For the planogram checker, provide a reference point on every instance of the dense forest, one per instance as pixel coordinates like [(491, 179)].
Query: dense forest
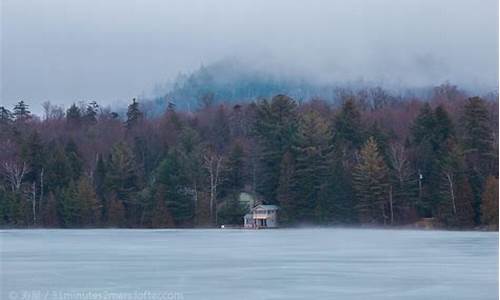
[(371, 159)]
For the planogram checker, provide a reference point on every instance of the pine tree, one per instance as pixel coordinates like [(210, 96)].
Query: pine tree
[(348, 131), (478, 139), (178, 196), (68, 206), (73, 116), (422, 127), (348, 136), (33, 152), (275, 126), (134, 115), (478, 148), (6, 116), (74, 159), (189, 150), (18, 213), (58, 169), (382, 139), (432, 135), (444, 129), (313, 162), (21, 111), (90, 116), (371, 185), (121, 177)]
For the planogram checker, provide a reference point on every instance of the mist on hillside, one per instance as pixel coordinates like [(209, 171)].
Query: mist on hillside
[(112, 51), (235, 81)]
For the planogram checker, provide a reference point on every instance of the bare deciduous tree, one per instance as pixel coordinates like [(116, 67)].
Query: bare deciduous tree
[(213, 163), (399, 160), (14, 172)]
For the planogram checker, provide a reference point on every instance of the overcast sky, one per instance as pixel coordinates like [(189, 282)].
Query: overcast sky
[(113, 50)]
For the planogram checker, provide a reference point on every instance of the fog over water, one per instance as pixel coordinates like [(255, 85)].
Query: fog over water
[(112, 50), (251, 264)]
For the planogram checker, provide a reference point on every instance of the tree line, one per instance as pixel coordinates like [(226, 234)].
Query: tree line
[(373, 159)]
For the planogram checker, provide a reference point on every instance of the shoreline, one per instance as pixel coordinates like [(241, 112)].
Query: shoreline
[(378, 228)]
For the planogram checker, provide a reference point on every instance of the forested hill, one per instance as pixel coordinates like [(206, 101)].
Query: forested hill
[(228, 81), (231, 81), (383, 162)]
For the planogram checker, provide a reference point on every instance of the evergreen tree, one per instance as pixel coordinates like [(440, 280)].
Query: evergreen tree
[(371, 184), (312, 166), (348, 131), (74, 159), (73, 116), (6, 116), (348, 136), (275, 126), (33, 152), (189, 151), (134, 115), (444, 129), (478, 148), (178, 196), (121, 177), (382, 139), (122, 183), (58, 171), (478, 134), (90, 116), (68, 206), (422, 127), (432, 134), (21, 111)]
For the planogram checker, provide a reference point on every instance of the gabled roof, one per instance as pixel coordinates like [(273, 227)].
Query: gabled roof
[(267, 207)]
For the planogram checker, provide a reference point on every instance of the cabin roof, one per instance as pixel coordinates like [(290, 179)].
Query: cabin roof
[(267, 207)]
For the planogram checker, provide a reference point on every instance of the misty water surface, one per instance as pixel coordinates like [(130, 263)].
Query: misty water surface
[(248, 264)]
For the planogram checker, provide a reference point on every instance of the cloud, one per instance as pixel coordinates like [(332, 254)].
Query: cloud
[(112, 50)]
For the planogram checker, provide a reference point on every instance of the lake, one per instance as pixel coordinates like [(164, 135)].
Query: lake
[(248, 264)]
